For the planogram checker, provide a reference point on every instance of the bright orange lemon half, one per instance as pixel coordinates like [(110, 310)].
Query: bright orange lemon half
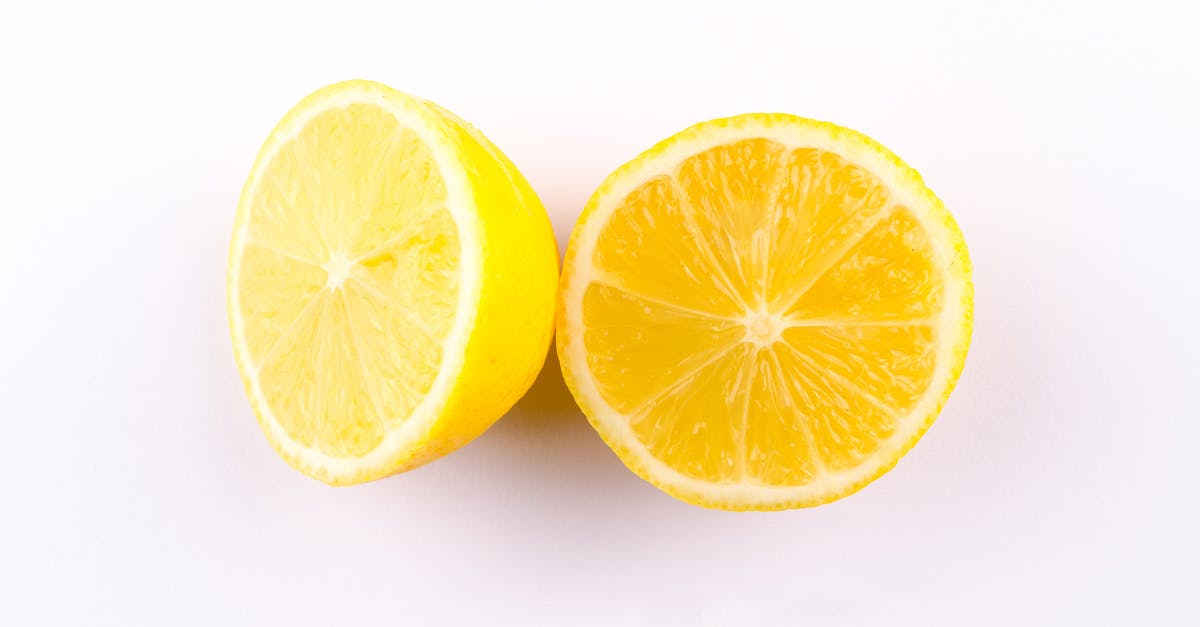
[(763, 312)]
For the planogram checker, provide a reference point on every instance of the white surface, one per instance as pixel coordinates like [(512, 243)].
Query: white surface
[(1059, 487)]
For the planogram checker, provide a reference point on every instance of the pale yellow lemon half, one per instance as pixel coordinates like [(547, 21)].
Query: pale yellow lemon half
[(763, 312), (391, 283)]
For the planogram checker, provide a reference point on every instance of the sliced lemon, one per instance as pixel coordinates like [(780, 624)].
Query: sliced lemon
[(391, 283), (763, 312)]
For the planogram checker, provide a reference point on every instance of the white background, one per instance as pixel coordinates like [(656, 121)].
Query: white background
[(1059, 486)]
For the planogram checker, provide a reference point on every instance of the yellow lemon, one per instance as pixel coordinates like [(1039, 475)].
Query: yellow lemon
[(391, 283), (763, 312)]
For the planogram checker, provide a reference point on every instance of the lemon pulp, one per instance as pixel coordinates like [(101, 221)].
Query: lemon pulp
[(753, 316)]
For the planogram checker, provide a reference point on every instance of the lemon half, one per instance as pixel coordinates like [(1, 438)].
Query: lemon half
[(763, 312), (391, 283)]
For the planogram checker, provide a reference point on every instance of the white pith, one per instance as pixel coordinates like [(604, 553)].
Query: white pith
[(337, 270)]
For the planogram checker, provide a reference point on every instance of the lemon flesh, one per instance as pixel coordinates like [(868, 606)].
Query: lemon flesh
[(763, 312), (379, 244)]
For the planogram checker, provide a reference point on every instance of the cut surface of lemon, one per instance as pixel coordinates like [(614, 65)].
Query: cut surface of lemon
[(391, 283), (763, 312)]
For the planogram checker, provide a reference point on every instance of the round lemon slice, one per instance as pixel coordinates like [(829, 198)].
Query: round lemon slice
[(763, 312)]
